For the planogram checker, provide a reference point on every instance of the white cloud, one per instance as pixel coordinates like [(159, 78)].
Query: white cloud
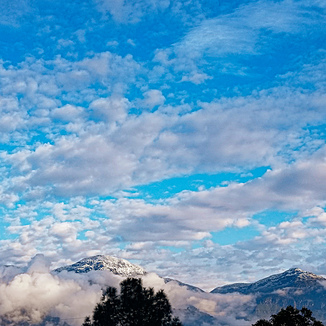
[(67, 113), (112, 109), (65, 231), (196, 78), (153, 97), (8, 199)]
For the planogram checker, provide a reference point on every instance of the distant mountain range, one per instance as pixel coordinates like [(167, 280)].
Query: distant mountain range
[(292, 278), (235, 304), (293, 287)]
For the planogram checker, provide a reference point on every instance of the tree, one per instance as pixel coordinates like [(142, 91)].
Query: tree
[(134, 306), (290, 317)]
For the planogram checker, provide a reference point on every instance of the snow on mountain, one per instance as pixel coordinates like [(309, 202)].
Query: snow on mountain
[(233, 304), (294, 277), (294, 287), (115, 265)]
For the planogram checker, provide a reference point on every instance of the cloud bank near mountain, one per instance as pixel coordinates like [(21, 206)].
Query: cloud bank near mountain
[(31, 294)]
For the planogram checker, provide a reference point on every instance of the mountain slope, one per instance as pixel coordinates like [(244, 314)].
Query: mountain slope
[(294, 277), (115, 265), (293, 287), (187, 286)]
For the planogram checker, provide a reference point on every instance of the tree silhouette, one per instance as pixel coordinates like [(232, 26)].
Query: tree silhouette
[(290, 317), (134, 306)]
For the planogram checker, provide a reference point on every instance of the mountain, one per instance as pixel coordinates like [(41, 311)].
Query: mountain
[(191, 316), (187, 286), (293, 287), (115, 265), (294, 277)]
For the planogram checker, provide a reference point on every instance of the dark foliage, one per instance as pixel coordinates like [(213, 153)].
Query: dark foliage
[(134, 306), (290, 317)]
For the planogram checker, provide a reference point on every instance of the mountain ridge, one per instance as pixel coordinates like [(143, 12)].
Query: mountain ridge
[(291, 277), (117, 266), (292, 287)]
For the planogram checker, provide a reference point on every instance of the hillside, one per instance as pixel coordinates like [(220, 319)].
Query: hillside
[(293, 287)]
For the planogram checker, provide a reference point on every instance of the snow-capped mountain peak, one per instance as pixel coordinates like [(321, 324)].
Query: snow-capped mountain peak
[(115, 265), (294, 277), (300, 274), (293, 287)]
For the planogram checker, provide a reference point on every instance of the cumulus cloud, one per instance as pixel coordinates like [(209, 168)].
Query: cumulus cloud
[(67, 113), (152, 98), (112, 109)]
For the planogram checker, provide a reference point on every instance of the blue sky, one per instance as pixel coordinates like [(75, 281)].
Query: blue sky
[(186, 136)]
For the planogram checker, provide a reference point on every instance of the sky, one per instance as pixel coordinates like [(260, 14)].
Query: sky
[(185, 136)]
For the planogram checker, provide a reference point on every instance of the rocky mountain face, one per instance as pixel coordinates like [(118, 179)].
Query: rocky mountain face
[(293, 287), (115, 265)]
